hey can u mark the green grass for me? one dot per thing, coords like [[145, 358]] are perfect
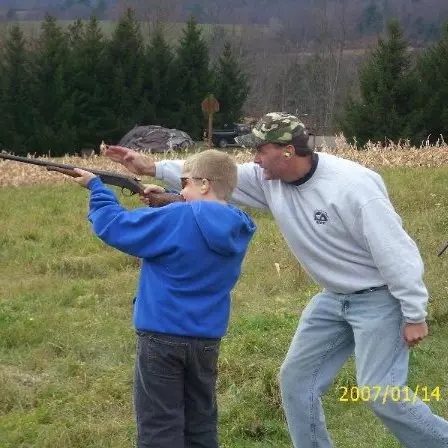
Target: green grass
[[67, 342]]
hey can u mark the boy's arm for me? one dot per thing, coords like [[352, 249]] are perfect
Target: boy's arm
[[396, 255], [248, 191], [142, 233]]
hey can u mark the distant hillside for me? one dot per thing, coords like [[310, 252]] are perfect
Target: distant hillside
[[306, 19]]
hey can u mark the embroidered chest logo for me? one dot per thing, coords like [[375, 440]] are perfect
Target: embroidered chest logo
[[320, 217]]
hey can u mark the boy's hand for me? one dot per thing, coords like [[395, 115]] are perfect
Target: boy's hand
[[414, 333], [84, 177], [151, 188], [132, 160]]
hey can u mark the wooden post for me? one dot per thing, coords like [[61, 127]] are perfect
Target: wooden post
[[210, 105], [210, 129]]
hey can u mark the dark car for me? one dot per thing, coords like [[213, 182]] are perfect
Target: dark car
[[226, 136]]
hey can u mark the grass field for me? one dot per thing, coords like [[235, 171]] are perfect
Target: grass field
[[67, 342]]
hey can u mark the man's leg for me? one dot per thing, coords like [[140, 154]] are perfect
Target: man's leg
[[201, 413], [382, 359], [320, 347], [159, 391]]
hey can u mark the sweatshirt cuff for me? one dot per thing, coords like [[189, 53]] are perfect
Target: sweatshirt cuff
[[95, 182], [415, 321]]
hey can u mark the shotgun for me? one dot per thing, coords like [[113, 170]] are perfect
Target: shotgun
[[132, 185]]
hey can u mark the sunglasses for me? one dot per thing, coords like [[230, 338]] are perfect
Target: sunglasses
[[184, 180]]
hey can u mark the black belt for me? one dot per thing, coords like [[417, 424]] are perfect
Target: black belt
[[375, 288]]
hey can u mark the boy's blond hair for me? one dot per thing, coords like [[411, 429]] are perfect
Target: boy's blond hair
[[216, 166]]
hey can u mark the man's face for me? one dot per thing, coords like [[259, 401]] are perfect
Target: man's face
[[271, 158]]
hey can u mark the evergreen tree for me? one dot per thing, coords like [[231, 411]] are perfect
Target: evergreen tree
[[53, 111], [125, 80], [88, 92], [431, 120], [159, 81], [388, 89], [231, 88], [193, 80], [15, 98], [74, 33]]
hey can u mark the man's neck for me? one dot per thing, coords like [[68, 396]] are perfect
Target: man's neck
[[300, 168]]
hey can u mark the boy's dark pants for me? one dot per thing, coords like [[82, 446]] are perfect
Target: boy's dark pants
[[174, 391]]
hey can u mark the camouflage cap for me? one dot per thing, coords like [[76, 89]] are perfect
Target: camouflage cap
[[274, 127]]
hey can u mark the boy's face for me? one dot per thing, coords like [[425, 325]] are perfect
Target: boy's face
[[193, 188]]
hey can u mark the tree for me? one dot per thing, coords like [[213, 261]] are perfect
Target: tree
[[387, 89], [193, 79], [53, 111], [160, 81], [231, 88], [324, 72], [15, 98], [125, 76], [372, 20], [431, 120], [87, 84], [74, 33]]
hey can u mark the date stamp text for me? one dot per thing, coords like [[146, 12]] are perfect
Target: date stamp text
[[391, 393]]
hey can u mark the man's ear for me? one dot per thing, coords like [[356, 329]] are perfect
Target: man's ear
[[288, 151]]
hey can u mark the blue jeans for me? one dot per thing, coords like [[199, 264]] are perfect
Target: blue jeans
[[175, 391], [331, 327]]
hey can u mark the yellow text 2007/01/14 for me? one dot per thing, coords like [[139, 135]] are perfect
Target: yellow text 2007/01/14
[[391, 393]]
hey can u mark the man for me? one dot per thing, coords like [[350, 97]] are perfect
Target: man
[[339, 223]]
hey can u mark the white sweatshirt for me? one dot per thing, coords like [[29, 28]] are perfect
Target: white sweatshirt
[[339, 224]]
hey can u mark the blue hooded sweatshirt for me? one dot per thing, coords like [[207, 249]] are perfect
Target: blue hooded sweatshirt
[[191, 259]]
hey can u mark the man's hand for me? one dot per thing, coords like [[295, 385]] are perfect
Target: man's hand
[[414, 333], [132, 160], [84, 177], [151, 188]]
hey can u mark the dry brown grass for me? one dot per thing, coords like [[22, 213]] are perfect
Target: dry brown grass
[[14, 174]]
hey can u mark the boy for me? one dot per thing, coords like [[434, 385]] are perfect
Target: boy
[[192, 254]]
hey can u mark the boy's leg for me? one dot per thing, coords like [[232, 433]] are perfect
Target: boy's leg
[[320, 347], [382, 359], [200, 395], [159, 391]]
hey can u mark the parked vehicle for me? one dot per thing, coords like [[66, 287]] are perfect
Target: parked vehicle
[[226, 136]]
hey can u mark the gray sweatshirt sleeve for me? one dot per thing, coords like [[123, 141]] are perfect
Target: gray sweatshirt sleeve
[[249, 190], [170, 171], [396, 255]]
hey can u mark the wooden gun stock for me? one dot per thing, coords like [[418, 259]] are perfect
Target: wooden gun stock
[[63, 171]]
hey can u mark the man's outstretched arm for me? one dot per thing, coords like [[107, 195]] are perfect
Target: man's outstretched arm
[[248, 192], [132, 160]]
